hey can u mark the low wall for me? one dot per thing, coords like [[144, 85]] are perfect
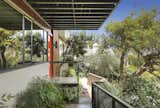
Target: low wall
[[94, 78]]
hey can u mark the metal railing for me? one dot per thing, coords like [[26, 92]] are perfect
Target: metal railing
[[101, 98]]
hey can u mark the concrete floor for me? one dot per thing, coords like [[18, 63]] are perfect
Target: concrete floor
[[15, 81]]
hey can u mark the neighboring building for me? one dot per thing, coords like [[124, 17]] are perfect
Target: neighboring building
[[91, 51], [94, 50]]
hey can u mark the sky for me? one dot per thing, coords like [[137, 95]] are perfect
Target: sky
[[124, 9]]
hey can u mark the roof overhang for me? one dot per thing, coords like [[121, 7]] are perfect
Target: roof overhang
[[74, 14], [15, 9], [56, 14]]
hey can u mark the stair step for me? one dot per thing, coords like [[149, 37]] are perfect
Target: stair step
[[78, 106], [84, 100]]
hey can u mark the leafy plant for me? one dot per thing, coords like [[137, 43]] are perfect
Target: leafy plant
[[139, 34], [5, 41], [76, 45], [38, 46], [105, 65], [141, 93], [40, 94]]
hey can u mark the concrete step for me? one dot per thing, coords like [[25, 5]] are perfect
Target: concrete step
[[84, 102], [78, 106]]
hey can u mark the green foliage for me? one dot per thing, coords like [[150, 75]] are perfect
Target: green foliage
[[138, 34], [71, 72], [40, 94], [7, 42], [135, 61], [111, 87], [5, 37], [90, 40], [70, 94], [76, 45], [138, 38], [141, 93], [105, 65], [38, 43], [104, 44]]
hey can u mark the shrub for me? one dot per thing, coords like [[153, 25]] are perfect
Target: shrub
[[105, 65], [141, 93], [40, 94]]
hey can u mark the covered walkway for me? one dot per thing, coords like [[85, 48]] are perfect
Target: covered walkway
[[50, 15]]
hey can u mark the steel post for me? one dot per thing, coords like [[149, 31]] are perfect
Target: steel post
[[23, 35], [47, 45], [31, 40], [43, 45]]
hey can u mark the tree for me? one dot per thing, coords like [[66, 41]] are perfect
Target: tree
[[90, 40], [146, 41], [140, 34], [76, 45], [5, 41], [38, 43], [104, 44], [120, 38]]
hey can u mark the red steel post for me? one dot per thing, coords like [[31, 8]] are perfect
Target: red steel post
[[50, 54]]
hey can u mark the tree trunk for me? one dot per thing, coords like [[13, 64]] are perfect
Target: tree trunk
[[121, 68], [142, 69], [3, 56]]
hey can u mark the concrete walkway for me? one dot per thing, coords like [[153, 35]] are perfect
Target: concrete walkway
[[16, 80]]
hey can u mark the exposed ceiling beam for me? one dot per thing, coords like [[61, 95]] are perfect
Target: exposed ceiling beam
[[75, 17], [75, 28], [78, 19], [53, 8], [36, 2], [52, 13], [76, 22]]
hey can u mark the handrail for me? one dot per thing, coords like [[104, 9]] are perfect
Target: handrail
[[95, 100]]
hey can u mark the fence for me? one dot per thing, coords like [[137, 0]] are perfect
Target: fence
[[101, 98]]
